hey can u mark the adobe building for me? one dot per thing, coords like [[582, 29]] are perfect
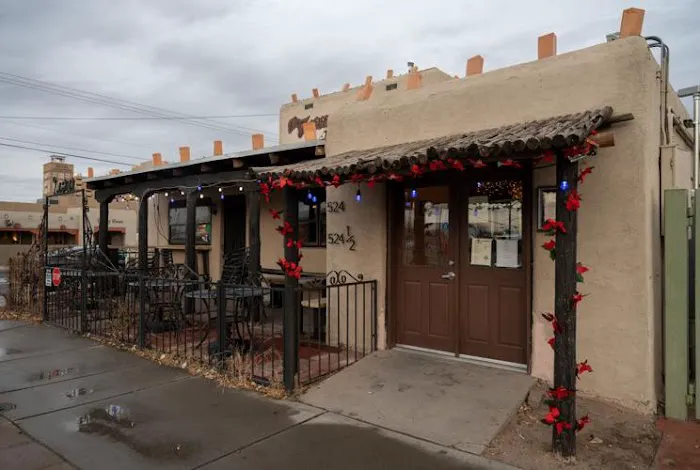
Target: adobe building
[[457, 252]]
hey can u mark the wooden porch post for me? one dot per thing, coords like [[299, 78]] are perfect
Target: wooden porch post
[[103, 237], [143, 266], [253, 200], [143, 233], [291, 285], [564, 305], [191, 220]]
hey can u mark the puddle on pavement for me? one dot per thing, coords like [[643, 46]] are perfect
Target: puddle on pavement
[[78, 392], [52, 374], [115, 421], [8, 351]]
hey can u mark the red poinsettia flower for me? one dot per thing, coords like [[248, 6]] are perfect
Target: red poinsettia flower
[[510, 162], [547, 157], [552, 416], [561, 425], [370, 182], [549, 245], [551, 225], [573, 201], [551, 341], [416, 170], [283, 181], [456, 164], [275, 213], [265, 191], [335, 181], [477, 163], [583, 367], [586, 171], [319, 181], [558, 393], [286, 229], [283, 263], [582, 422], [436, 165], [578, 297], [556, 326], [580, 271], [300, 185]]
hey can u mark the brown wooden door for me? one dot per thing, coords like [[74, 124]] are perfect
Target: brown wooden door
[[492, 281], [425, 291]]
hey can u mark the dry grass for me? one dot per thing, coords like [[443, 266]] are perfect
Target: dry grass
[[235, 372], [19, 315]]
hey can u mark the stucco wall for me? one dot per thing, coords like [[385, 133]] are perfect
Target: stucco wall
[[618, 228], [327, 104]]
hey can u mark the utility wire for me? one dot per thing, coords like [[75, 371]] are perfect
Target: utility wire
[[61, 131], [63, 154], [124, 105], [74, 148], [139, 118]]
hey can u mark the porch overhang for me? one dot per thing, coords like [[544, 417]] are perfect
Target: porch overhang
[[515, 142], [233, 168]]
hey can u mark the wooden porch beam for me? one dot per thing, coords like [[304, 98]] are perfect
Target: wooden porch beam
[[191, 219]]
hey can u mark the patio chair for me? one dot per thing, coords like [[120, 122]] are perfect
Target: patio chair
[[314, 298]]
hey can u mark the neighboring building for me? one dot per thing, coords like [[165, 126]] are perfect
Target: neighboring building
[[419, 238], [55, 171]]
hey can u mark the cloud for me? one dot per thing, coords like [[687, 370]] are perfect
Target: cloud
[[218, 57]]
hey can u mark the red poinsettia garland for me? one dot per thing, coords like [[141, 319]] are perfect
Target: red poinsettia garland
[[556, 396]]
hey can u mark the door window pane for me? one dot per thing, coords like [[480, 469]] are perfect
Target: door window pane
[[426, 226], [496, 223]]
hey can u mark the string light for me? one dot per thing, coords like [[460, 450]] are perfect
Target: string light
[[201, 196], [199, 188], [240, 188], [222, 196], [221, 189], [182, 193], [172, 199], [358, 195], [564, 185], [414, 193], [166, 194], [309, 195]]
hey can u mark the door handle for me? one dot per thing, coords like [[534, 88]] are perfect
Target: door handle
[[449, 276]]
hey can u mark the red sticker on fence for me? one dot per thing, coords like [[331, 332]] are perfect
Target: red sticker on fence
[[56, 277]]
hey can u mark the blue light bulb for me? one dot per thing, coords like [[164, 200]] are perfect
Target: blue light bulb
[[222, 197], [564, 185], [358, 196], [309, 195], [314, 199], [199, 188], [414, 193]]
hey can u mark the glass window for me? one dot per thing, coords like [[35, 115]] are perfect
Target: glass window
[[496, 223], [312, 217], [177, 221], [426, 226]]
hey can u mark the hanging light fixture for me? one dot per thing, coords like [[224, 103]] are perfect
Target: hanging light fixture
[[358, 195]]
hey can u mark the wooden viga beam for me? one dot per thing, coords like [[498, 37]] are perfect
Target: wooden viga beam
[[604, 139]]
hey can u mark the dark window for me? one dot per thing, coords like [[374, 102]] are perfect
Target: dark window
[[177, 222], [312, 217], [392, 86]]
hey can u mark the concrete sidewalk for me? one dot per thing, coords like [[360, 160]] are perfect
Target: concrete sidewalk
[[68, 402]]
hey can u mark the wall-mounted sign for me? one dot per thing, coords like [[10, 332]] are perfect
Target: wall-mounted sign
[[64, 187], [297, 124]]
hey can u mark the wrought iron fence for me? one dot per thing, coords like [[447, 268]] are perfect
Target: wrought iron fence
[[236, 328]]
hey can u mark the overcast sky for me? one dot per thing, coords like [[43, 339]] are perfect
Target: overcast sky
[[245, 57]]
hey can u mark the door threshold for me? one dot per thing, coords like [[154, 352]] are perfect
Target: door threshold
[[480, 361]]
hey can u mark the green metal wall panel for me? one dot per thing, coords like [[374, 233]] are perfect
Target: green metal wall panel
[[676, 302]]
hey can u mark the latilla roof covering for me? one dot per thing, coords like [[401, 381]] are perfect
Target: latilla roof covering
[[523, 140]]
